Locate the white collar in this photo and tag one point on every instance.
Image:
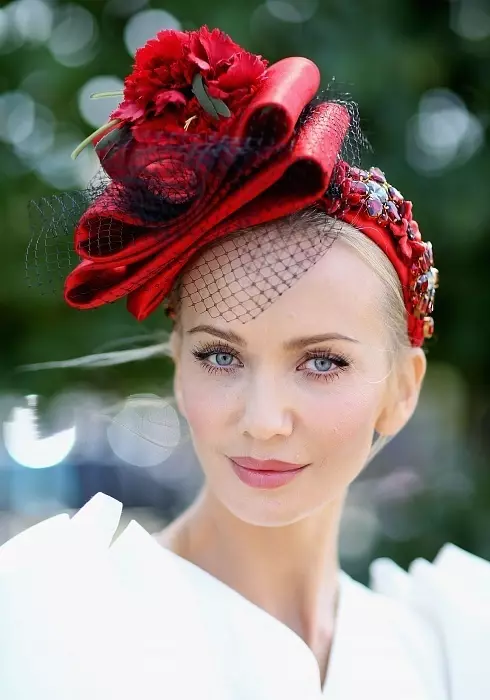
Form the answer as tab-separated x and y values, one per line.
381	649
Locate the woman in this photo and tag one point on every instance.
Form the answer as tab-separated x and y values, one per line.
301	293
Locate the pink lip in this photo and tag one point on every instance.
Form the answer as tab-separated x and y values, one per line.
269	465
266	478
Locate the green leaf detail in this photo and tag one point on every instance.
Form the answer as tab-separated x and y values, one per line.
211	105
98	95
109	139
92	136
221	107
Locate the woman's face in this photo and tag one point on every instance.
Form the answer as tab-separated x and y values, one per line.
255	389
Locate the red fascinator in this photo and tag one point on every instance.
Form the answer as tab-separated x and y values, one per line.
210	140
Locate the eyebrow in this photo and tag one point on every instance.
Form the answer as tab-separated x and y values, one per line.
293	344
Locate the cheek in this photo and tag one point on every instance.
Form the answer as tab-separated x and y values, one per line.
340	417
206	401
343	421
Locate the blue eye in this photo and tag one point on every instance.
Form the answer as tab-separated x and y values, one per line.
223	362
322	364
326	365
222	357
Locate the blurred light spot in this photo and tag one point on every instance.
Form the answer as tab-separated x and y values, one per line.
33	19
284	11
263	26
12	167
456	484
96	111
58	169
4	27
26	447
41	138
394	496
295	11
74	37
79	58
401	484
17	110
86	407
41	85
124	8
470	19
10	38
443	133
145	432
359	532
145	25
398	521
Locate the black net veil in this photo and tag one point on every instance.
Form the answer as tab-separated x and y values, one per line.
147	221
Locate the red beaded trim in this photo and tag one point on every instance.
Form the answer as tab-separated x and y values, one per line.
369	192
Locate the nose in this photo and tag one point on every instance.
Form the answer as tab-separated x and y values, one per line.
266	411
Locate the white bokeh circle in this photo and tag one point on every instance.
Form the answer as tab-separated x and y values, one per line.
145	25
146	431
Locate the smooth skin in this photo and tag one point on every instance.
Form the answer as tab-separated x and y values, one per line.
319	405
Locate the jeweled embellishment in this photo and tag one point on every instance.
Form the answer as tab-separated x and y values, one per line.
425	282
428	327
395	195
392	211
378	191
374	207
371	190
354	188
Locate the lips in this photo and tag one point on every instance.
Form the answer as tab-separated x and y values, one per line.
268	465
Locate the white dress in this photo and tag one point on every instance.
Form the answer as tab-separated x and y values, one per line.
83	618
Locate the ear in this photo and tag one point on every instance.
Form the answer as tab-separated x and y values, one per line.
175	346
403	392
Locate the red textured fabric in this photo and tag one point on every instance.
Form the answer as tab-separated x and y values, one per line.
290	85
166	65
126	253
379	235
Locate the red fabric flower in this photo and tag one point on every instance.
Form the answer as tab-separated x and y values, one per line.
410	246
400	230
160	85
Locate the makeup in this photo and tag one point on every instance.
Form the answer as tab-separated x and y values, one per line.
265	474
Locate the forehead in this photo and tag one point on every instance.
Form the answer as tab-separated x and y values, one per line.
286	285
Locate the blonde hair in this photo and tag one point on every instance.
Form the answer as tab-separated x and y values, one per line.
393	308
393	305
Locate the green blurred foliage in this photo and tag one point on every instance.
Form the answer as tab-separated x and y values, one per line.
389	55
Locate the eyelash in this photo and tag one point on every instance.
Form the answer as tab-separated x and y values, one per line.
203	353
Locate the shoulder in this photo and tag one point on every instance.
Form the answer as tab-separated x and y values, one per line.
393	616
448	600
397	644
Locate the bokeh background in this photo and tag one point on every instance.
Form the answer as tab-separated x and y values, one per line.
419	71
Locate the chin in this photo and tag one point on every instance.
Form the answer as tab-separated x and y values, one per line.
275	516
269	507
266	508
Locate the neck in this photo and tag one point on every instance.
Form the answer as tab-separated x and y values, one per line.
291	572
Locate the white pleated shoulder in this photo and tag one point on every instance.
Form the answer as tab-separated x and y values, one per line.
382	649
452	596
84	619
416	635
88	618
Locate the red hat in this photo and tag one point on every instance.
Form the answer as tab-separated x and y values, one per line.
209	140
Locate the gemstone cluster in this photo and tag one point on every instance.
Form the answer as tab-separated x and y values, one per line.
369	192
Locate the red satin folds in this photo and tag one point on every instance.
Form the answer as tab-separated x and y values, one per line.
124	255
